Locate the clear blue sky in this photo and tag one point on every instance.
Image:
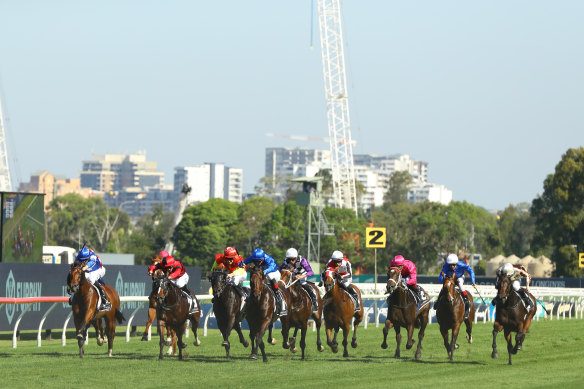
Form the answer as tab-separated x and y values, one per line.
490	93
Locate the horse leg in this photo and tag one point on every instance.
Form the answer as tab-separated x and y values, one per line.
149	321
421	333
161	330
411	341
509	344
98	325
271	339
444	332
179	342
386	328
292	340
318	323
226	331
358	318
521	334
242	340
260	339
285	333
346	330
194	327
302	337
453	345
496	329
329	341
254	346
397	341
110	327
335	337
468	324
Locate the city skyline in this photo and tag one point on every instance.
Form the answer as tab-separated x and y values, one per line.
488	94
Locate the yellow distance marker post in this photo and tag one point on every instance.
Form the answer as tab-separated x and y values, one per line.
375	238
581	259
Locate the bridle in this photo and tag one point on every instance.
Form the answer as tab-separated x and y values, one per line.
392	284
163	285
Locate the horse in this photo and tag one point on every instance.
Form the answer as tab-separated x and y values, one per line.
261	311
85	313
227	304
170	335
299	312
338	309
402	311
172	311
511	316
450	314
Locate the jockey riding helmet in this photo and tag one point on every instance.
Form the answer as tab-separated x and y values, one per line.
163	254
337	256
230	253
452	259
258	255
84	254
398	260
291	253
507	269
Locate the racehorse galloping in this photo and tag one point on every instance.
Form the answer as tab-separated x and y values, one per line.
339	310
511	316
85	312
227	307
170	335
450	314
402	311
261	311
172	311
299	311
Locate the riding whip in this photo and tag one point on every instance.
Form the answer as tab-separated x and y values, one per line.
479	293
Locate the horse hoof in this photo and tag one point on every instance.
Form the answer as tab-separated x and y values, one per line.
254	357
144	338
346	354
320	348
294	350
418	356
495	355
384	345
354	344
469	338
197	342
182	345
245	344
274	341
456	346
519	348
285	345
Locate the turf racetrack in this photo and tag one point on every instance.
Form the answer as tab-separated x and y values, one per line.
553	354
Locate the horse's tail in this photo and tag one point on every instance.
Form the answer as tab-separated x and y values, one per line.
119	316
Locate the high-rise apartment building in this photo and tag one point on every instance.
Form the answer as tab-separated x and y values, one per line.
210	180
115	172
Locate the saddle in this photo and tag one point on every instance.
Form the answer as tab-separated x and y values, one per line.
99	300
356	306
193	306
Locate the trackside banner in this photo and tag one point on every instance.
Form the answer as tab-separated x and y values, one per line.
35	280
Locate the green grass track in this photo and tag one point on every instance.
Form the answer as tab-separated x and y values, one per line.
552	356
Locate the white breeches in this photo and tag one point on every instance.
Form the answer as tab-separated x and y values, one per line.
274	276
94	276
516	285
181	281
347	281
460	282
237	280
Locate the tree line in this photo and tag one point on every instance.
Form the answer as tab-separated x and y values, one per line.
552	225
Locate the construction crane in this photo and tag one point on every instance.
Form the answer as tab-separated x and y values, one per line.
337	102
182	205
5	181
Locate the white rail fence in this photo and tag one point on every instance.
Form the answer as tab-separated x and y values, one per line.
560	302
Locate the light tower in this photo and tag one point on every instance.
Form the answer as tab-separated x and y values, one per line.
337	102
5	181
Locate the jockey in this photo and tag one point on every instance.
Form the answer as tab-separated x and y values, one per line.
90	263
301	270
230	260
454	266
157	262
408	272
260	258
515	274
341	265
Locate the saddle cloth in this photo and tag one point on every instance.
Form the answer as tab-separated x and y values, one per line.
193	307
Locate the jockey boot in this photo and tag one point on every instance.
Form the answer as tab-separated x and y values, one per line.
105	304
186	290
466	304
353	293
280	303
526	299
419	292
312	295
